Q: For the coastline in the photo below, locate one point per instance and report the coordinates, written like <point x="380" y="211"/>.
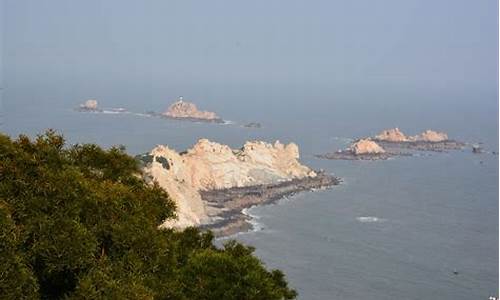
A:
<point x="441" y="146"/>
<point x="348" y="155"/>
<point x="227" y="205"/>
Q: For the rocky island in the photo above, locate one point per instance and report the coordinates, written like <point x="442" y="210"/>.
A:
<point x="212" y="183"/>
<point x="89" y="106"/>
<point x="182" y="110"/>
<point x="428" y="140"/>
<point x="362" y="149"/>
<point x="393" y="142"/>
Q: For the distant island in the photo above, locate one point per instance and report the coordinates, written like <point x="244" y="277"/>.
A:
<point x="89" y="106"/>
<point x="362" y="149"/>
<point x="211" y="183"/>
<point x="428" y="140"/>
<point x="392" y="142"/>
<point x="183" y="110"/>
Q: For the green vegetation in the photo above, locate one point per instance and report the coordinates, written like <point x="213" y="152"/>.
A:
<point x="79" y="223"/>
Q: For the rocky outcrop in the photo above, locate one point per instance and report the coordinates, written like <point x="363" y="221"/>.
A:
<point x="365" y="146"/>
<point x="212" y="166"/>
<point x="186" y="110"/>
<point x="395" y="135"/>
<point x="391" y="135"/>
<point x="428" y="140"/>
<point x="363" y="149"/>
<point x="89" y="105"/>
<point x="430" y="136"/>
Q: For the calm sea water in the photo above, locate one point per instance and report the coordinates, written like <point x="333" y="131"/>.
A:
<point x="394" y="229"/>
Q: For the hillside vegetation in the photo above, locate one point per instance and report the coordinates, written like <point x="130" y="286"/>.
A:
<point x="78" y="222"/>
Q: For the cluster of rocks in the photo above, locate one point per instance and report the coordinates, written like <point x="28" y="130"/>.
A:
<point x="89" y="106"/>
<point x="260" y="171"/>
<point x="179" y="110"/>
<point x="428" y="140"/>
<point x="188" y="111"/>
<point x="363" y="149"/>
<point x="392" y="142"/>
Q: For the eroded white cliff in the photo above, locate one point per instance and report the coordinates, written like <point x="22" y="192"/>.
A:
<point x="209" y="165"/>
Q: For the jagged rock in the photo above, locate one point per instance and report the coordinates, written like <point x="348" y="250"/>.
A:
<point x="186" y="110"/>
<point x="428" y="140"/>
<point x="431" y="136"/>
<point x="364" y="146"/>
<point x="89" y="105"/>
<point x="213" y="166"/>
<point x="392" y="135"/>
<point x="363" y="149"/>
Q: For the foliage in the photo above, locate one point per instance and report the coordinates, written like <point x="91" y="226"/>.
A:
<point x="79" y="222"/>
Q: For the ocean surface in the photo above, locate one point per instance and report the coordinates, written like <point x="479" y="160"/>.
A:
<point x="423" y="227"/>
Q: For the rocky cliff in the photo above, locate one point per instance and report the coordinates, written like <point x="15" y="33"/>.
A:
<point x="212" y="166"/>
<point x="186" y="110"/>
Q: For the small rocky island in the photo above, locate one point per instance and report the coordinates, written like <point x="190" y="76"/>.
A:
<point x="362" y="149"/>
<point x="212" y="183"/>
<point x="89" y="106"/>
<point x="392" y="142"/>
<point x="183" y="110"/>
<point x="428" y="140"/>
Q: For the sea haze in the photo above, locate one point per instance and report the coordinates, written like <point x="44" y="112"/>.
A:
<point x="395" y="229"/>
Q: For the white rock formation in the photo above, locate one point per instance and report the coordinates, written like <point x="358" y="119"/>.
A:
<point x="395" y="135"/>
<point x="183" y="109"/>
<point x="90" y="104"/>
<point x="392" y="135"/>
<point x="364" y="146"/>
<point x="431" y="136"/>
<point x="209" y="165"/>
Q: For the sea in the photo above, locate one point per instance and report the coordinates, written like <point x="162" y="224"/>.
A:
<point x="420" y="227"/>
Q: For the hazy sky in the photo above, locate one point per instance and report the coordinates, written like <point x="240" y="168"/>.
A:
<point x="434" y="43"/>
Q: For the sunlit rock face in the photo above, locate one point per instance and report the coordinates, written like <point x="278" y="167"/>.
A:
<point x="90" y="104"/>
<point x="187" y="110"/>
<point x="209" y="165"/>
<point x="365" y="146"/>
<point x="431" y="136"/>
<point x="395" y="135"/>
<point x="392" y="135"/>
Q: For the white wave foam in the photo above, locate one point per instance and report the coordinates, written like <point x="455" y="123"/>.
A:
<point x="256" y="226"/>
<point x="369" y="219"/>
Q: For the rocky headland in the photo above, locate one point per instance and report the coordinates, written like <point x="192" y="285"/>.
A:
<point x="428" y="140"/>
<point x="183" y="110"/>
<point x="212" y="183"/>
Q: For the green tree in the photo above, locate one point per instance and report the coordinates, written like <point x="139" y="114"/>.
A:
<point x="79" y="222"/>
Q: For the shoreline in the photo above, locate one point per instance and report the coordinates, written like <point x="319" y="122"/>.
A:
<point x="442" y="146"/>
<point x="227" y="205"/>
<point x="348" y="155"/>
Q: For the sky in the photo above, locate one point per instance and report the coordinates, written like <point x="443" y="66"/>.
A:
<point x="144" y="45"/>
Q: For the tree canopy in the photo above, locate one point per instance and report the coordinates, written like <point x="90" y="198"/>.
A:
<point x="79" y="222"/>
